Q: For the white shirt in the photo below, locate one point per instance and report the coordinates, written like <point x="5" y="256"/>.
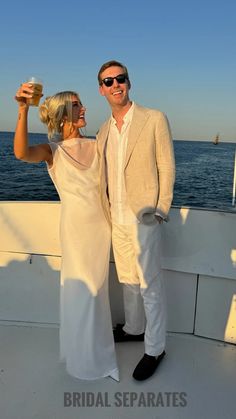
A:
<point x="121" y="212"/>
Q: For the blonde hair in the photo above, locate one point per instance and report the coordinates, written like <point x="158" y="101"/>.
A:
<point x="54" y="109"/>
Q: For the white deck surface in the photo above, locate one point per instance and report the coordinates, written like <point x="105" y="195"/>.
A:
<point x="33" y="382"/>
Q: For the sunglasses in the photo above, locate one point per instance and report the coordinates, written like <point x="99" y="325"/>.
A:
<point x="108" y="81"/>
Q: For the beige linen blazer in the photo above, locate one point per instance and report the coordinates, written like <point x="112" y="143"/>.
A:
<point x="149" y="168"/>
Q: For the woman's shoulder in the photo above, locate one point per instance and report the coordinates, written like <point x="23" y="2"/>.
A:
<point x="91" y="139"/>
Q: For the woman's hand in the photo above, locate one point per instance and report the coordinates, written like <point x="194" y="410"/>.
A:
<point x="24" y="92"/>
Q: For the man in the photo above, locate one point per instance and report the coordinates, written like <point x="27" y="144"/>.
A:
<point x="137" y="177"/>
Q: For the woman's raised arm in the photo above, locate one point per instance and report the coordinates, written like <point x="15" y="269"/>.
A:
<point x="22" y="150"/>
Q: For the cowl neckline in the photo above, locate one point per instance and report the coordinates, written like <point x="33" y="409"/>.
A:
<point x="79" y="151"/>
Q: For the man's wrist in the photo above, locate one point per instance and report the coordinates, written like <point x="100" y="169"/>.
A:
<point x="160" y="216"/>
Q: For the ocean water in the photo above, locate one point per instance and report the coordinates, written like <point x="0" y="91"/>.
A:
<point x="204" y="174"/>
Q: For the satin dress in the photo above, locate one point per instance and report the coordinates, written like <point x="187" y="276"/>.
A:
<point x="86" y="337"/>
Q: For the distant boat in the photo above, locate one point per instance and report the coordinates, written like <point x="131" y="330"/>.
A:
<point x="216" y="139"/>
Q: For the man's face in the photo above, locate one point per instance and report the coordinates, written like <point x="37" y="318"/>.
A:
<point x="118" y="93"/>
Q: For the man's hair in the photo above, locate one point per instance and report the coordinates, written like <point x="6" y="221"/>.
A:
<point x="112" y="63"/>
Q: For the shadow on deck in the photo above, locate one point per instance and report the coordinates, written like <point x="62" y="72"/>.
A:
<point x="197" y="379"/>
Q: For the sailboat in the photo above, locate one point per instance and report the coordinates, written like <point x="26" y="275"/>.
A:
<point x="216" y="139"/>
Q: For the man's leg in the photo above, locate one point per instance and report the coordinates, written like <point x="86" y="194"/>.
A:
<point x="134" y="310"/>
<point x="155" y="310"/>
<point x="148" y="260"/>
<point x="147" y="241"/>
<point x="124" y="254"/>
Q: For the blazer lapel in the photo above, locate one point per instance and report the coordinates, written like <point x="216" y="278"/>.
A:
<point x="138" y="121"/>
<point x="102" y="137"/>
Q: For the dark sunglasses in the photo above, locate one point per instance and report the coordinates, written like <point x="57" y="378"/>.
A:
<point x="108" y="81"/>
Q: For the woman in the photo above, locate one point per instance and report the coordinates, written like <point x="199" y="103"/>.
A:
<point x="86" y="338"/>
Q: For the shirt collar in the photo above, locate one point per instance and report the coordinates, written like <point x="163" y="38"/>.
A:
<point x="128" y="116"/>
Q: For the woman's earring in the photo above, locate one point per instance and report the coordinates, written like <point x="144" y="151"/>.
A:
<point x="61" y="124"/>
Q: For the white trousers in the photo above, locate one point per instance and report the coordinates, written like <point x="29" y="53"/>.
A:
<point x="137" y="253"/>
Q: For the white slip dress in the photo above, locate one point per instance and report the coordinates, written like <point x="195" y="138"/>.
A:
<point x="86" y="337"/>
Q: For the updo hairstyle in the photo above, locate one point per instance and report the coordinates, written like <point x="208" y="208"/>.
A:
<point x="54" y="109"/>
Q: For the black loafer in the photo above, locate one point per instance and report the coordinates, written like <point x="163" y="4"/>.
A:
<point x="121" y="336"/>
<point x="147" y="366"/>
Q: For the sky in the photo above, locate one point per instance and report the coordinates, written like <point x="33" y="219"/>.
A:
<point x="181" y="57"/>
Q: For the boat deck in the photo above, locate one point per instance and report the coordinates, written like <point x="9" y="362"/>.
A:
<point x="198" y="373"/>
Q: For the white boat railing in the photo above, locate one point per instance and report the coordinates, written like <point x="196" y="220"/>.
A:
<point x="199" y="265"/>
<point x="234" y="182"/>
